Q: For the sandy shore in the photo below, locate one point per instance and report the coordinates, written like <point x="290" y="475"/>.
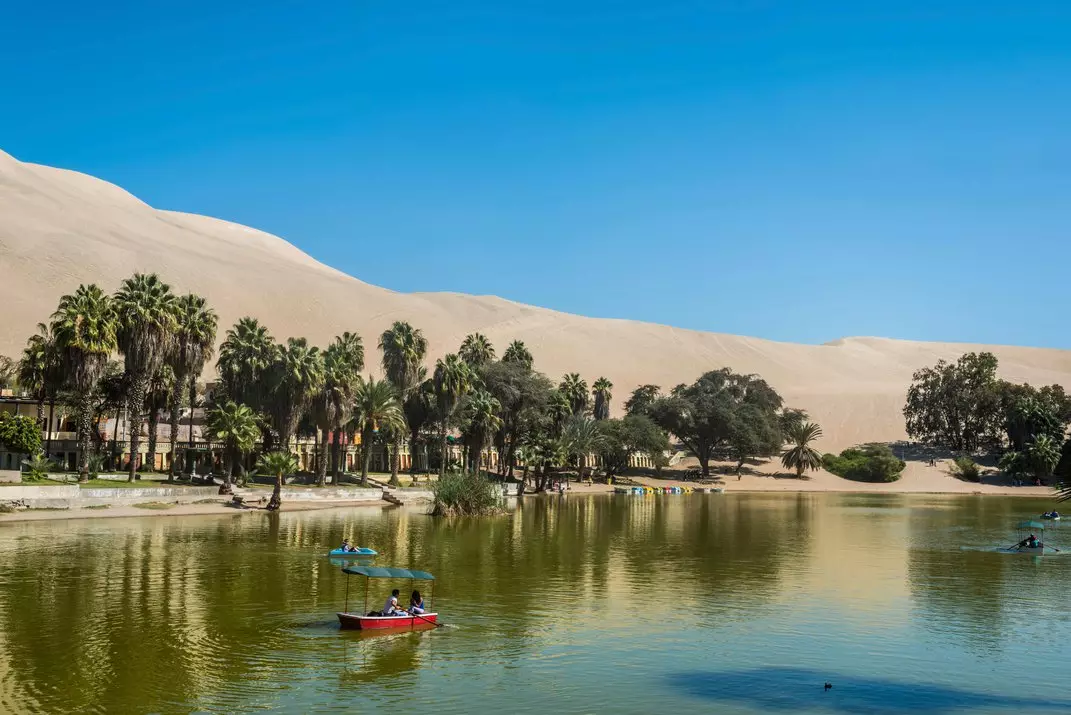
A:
<point x="179" y="510"/>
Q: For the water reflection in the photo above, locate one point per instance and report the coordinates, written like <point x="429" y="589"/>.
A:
<point x="563" y="604"/>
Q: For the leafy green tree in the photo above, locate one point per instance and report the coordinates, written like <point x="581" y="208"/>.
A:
<point x="145" y="310"/>
<point x="476" y="350"/>
<point x="237" y="426"/>
<point x="717" y="411"/>
<point x="479" y="421"/>
<point x="331" y="405"/>
<point x="956" y="405"/>
<point x="518" y="352"/>
<point x="191" y="349"/>
<point x="621" y="438"/>
<point x="754" y="431"/>
<point x="375" y="407"/>
<point x="19" y="434"/>
<point x="84" y="327"/>
<point x="1029" y="412"/>
<point x="245" y="360"/>
<point x="296" y="375"/>
<point x="1037" y="460"/>
<point x="791" y="419"/>
<point x="404" y="348"/>
<point x="279" y="465"/>
<point x="800" y="455"/>
<point x="642" y="398"/>
<point x="523" y="395"/>
<point x="453" y="380"/>
<point x="576" y="391"/>
<point x="601" y="392"/>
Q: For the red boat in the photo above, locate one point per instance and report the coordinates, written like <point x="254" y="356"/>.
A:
<point x="367" y="620"/>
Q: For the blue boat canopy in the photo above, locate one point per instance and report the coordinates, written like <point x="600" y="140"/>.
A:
<point x="387" y="572"/>
<point x="1037" y="525"/>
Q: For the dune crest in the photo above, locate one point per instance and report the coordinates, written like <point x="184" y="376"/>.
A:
<point x="59" y="228"/>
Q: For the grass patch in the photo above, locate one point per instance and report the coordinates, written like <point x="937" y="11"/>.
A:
<point x="98" y="506"/>
<point x="208" y="501"/>
<point x="142" y="484"/>
<point x="49" y="508"/>
<point x="466" y="495"/>
<point x="7" y="509"/>
<point x="156" y="505"/>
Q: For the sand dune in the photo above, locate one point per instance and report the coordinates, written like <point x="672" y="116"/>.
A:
<point x="59" y="228"/>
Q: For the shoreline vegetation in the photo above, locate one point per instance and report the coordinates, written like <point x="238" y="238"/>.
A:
<point x="140" y="351"/>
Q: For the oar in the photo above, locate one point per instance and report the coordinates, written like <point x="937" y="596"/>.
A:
<point x="417" y="615"/>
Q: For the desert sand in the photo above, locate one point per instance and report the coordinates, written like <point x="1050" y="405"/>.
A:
<point x="59" y="228"/>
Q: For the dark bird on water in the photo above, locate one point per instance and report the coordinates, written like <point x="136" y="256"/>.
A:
<point x="829" y="685"/>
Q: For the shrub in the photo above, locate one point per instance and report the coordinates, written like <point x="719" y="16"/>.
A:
<point x="36" y="468"/>
<point x="459" y="494"/>
<point x="868" y="463"/>
<point x="966" y="469"/>
<point x="19" y="434"/>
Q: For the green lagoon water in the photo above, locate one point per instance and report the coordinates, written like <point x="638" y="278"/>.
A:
<point x="735" y="603"/>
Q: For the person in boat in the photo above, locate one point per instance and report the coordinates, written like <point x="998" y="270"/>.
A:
<point x="346" y="546"/>
<point x="390" y="608"/>
<point x="1032" y="542"/>
<point x="416" y="603"/>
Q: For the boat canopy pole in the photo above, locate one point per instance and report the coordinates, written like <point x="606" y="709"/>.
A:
<point x="347" y="606"/>
<point x="366" y="595"/>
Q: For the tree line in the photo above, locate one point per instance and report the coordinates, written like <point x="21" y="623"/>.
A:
<point x="144" y="347"/>
<point x="963" y="406"/>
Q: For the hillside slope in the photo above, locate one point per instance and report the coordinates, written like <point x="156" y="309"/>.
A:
<point x="60" y="228"/>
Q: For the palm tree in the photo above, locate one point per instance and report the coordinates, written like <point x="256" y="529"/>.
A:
<point x="576" y="390"/>
<point x="237" y="426"/>
<point x="419" y="409"/>
<point x="477" y="350"/>
<point x="582" y="437"/>
<point x="192" y="348"/>
<point x="800" y="455"/>
<point x="331" y="404"/>
<point x="9" y="371"/>
<point x="157" y="398"/>
<point x="404" y="348"/>
<point x="85" y="331"/>
<point x="145" y="308"/>
<point x="453" y="379"/>
<point x="375" y="407"/>
<point x="278" y="465"/>
<point x="38" y="371"/>
<point x="559" y="410"/>
<point x="350" y="349"/>
<point x="296" y="374"/>
<point x="518" y="352"/>
<point x="601" y="392"/>
<point x="480" y="415"/>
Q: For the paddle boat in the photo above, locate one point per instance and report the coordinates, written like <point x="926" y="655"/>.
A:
<point x="1051" y="515"/>
<point x="372" y="620"/>
<point x="1024" y="531"/>
<point x="352" y="553"/>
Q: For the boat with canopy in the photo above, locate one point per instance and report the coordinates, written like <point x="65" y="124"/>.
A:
<point x="374" y="620"/>
<point x="1029" y="541"/>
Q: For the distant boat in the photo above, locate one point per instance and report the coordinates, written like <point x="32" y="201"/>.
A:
<point x="360" y="551"/>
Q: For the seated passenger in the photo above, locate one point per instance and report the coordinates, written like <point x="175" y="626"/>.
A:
<point x="416" y="603"/>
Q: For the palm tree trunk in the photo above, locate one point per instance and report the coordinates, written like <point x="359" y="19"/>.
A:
<point x="396" y="447"/>
<point x="48" y="436"/>
<point x="413" y="438"/>
<point x="192" y="390"/>
<point x="176" y="401"/>
<point x="366" y="455"/>
<point x="41" y="413"/>
<point x="276" y="500"/>
<point x="228" y="467"/>
<point x="325" y="454"/>
<point x="442" y="451"/>
<point x="85" y="423"/>
<point x="135" y="404"/>
<point x="338" y="457"/>
<point x="154" y="424"/>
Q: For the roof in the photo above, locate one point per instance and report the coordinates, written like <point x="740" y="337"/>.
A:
<point x="1031" y="525"/>
<point x="387" y="572"/>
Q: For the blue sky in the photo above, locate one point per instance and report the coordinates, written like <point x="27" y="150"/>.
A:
<point x="795" y="171"/>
